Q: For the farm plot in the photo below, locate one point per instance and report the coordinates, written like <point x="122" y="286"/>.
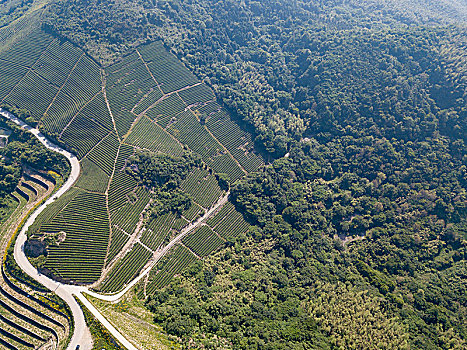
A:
<point x="193" y="212"/>
<point x="80" y="257"/>
<point x="166" y="110"/>
<point x="52" y="210"/>
<point x="10" y="74"/>
<point x="158" y="230"/>
<point x="189" y="131"/>
<point x="105" y="153"/>
<point x="117" y="241"/>
<point x="238" y="142"/>
<point x="57" y="61"/>
<point x="228" y="222"/>
<point x="125" y="87"/>
<point x="120" y="190"/>
<point x="174" y="263"/>
<point x="197" y="95"/>
<point x="59" y="113"/>
<point x="148" y="100"/>
<point x="203" y="187"/>
<point x="203" y="241"/>
<point x="157" y="104"/>
<point x="97" y="111"/>
<point x="127" y="269"/>
<point x="129" y="214"/>
<point x="28" y="49"/>
<point x="32" y="93"/>
<point x="92" y="178"/>
<point x="84" y="81"/>
<point x="82" y="84"/>
<point x="224" y="163"/>
<point x="83" y="134"/>
<point x="168" y="71"/>
<point x="147" y="134"/>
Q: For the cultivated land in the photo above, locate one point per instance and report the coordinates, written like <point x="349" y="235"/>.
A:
<point x="148" y="100"/>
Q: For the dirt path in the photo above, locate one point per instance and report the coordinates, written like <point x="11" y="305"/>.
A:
<point x="162" y="252"/>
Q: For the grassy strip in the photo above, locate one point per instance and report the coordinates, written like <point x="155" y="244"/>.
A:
<point x="101" y="337"/>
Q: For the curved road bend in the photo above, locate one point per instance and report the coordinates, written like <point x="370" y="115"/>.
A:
<point x="81" y="335"/>
<point x="160" y="254"/>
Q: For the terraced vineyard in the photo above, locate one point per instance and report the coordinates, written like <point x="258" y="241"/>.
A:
<point x="29" y="318"/>
<point x="148" y="100"/>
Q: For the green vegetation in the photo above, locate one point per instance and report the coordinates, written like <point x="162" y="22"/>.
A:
<point x="127" y="268"/>
<point x="354" y="233"/>
<point x="80" y="255"/>
<point x="101" y="337"/>
<point x="92" y="112"/>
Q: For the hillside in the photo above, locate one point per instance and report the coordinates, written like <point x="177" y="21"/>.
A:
<point x="335" y="129"/>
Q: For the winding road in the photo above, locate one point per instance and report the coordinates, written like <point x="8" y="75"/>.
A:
<point x="81" y="335"/>
<point x="67" y="292"/>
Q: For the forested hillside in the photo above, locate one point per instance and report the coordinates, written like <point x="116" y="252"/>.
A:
<point x="358" y="231"/>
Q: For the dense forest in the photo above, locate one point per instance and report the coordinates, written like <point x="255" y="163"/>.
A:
<point x="358" y="224"/>
<point x="24" y="150"/>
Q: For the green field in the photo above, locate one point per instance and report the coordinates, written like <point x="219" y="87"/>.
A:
<point x="146" y="101"/>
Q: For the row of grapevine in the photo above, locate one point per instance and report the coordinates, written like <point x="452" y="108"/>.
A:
<point x="83" y="134"/>
<point x="166" y="109"/>
<point x="158" y="230"/>
<point x="81" y="85"/>
<point x="127" y="268"/>
<point x="148" y="100"/>
<point x="57" y="61"/>
<point x="203" y="187"/>
<point x="147" y="134"/>
<point x="176" y="262"/>
<point x="202" y="241"/>
<point x="117" y="241"/>
<point x="92" y="178"/>
<point x="80" y="257"/>
<point x="168" y="71"/>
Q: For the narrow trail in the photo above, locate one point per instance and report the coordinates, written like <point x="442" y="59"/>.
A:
<point x="160" y="253"/>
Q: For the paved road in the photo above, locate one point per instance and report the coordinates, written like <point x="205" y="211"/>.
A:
<point x="67" y="292"/>
<point x="81" y="335"/>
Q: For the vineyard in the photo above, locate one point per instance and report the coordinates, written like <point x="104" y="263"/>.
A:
<point x="26" y="321"/>
<point x="146" y="101"/>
